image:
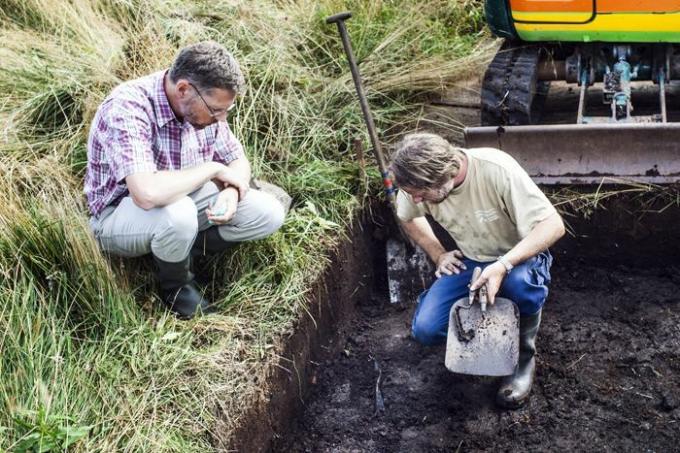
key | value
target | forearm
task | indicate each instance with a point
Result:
(242, 167)
(421, 232)
(150, 190)
(542, 236)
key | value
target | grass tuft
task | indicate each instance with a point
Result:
(89, 360)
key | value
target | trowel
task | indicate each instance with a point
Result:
(483, 338)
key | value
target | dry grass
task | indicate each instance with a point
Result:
(86, 352)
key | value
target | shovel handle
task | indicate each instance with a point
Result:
(475, 275)
(483, 298)
(340, 17)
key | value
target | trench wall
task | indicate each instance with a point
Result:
(626, 231)
(332, 304)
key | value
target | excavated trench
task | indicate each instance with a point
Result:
(608, 374)
(608, 359)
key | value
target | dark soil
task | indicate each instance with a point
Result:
(608, 377)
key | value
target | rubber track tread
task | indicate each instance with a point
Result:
(511, 94)
(494, 87)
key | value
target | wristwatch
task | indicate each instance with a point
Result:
(505, 262)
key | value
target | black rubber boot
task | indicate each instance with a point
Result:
(178, 290)
(514, 390)
(209, 242)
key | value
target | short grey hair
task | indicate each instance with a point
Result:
(208, 65)
(424, 161)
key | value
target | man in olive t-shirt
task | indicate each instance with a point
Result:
(500, 220)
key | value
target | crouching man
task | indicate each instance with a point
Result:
(500, 220)
(166, 175)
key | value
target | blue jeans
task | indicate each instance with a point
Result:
(526, 285)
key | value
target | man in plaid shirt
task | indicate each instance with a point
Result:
(166, 175)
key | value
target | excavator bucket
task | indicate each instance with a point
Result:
(598, 153)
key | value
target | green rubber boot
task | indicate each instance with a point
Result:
(515, 389)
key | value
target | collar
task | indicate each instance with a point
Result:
(164, 113)
(468, 173)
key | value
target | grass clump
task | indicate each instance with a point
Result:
(88, 361)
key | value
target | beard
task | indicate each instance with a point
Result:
(441, 196)
(191, 118)
(195, 124)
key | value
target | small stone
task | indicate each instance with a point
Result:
(669, 402)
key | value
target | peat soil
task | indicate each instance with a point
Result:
(608, 375)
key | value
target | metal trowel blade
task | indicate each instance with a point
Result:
(483, 343)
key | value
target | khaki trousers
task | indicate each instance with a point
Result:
(169, 231)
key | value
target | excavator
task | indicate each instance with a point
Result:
(606, 51)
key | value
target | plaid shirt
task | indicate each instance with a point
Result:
(135, 130)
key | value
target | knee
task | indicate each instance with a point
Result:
(269, 217)
(524, 289)
(273, 218)
(515, 285)
(180, 219)
(426, 331)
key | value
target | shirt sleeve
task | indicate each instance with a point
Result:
(407, 210)
(129, 147)
(227, 147)
(526, 203)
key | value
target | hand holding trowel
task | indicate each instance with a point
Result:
(483, 339)
(481, 293)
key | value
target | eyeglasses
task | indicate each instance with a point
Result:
(214, 113)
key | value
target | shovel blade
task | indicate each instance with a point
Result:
(409, 271)
(601, 153)
(483, 344)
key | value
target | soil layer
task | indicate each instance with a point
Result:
(608, 376)
(331, 305)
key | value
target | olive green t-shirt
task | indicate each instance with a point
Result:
(495, 207)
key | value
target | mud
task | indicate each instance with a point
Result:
(608, 375)
(331, 305)
(608, 349)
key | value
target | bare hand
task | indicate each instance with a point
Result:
(228, 177)
(223, 209)
(450, 263)
(492, 276)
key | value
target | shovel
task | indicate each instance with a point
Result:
(483, 341)
(409, 270)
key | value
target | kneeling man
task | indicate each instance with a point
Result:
(500, 220)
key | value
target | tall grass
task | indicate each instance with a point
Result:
(88, 359)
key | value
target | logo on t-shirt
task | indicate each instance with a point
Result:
(486, 215)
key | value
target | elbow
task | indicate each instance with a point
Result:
(144, 191)
(560, 229)
(145, 199)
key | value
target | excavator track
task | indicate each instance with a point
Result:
(511, 93)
